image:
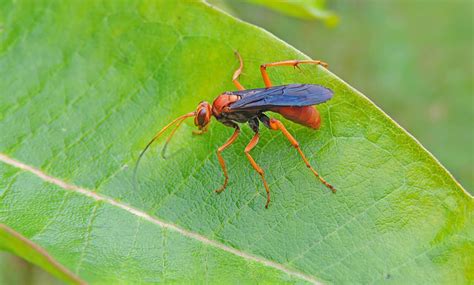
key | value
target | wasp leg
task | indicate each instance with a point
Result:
(249, 147)
(277, 125)
(221, 159)
(200, 132)
(237, 73)
(294, 63)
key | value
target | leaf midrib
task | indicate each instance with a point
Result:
(163, 224)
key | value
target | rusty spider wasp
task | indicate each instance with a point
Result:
(293, 101)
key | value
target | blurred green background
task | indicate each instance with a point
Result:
(16, 271)
(414, 59)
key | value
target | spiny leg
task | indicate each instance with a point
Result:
(237, 130)
(277, 125)
(249, 147)
(294, 63)
(221, 159)
(237, 73)
(239, 86)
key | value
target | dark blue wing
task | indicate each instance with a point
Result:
(294, 95)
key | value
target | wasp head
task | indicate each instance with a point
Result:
(203, 115)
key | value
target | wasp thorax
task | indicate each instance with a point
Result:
(203, 115)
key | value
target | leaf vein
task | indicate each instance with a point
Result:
(161, 223)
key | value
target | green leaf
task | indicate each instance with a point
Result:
(303, 9)
(84, 86)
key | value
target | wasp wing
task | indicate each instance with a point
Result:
(295, 95)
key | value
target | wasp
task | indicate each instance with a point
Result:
(295, 102)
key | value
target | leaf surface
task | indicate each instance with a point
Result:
(84, 86)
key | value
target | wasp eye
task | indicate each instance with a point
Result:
(201, 117)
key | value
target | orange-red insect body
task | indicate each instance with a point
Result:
(307, 116)
(295, 102)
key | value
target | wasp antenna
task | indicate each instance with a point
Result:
(180, 119)
(163, 151)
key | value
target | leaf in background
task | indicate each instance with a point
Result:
(85, 84)
(303, 9)
(14, 242)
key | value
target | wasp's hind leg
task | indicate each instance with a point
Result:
(235, 77)
(294, 63)
(275, 124)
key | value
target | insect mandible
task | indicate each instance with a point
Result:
(294, 102)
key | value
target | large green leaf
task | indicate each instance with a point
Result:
(85, 84)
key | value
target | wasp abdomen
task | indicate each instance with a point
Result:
(307, 116)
